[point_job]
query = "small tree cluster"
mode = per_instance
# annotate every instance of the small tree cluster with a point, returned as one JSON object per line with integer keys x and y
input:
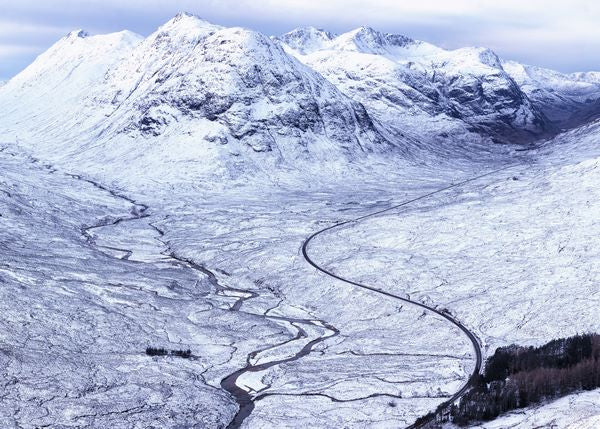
{"x": 155, "y": 351}
{"x": 186, "y": 354}
{"x": 159, "y": 351}
{"x": 560, "y": 353}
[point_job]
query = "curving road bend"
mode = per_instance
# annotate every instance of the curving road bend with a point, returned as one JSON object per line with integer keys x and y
{"x": 243, "y": 397}
{"x": 475, "y": 343}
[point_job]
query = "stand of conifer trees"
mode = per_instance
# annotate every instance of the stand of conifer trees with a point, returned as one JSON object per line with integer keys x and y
{"x": 516, "y": 377}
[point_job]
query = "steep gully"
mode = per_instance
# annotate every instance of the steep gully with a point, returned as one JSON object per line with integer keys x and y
{"x": 243, "y": 397}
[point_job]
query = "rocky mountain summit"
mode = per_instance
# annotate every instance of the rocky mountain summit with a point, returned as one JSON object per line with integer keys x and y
{"x": 568, "y": 100}
{"x": 232, "y": 93}
{"x": 231, "y": 100}
{"x": 413, "y": 86}
{"x": 241, "y": 82}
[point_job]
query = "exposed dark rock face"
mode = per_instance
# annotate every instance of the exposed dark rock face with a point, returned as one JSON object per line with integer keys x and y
{"x": 568, "y": 100}
{"x": 397, "y": 78}
{"x": 240, "y": 80}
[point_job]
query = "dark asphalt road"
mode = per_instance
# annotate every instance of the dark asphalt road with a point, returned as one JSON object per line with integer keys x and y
{"x": 445, "y": 315}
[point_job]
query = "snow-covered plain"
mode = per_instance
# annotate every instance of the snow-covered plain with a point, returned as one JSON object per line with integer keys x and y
{"x": 511, "y": 256}
{"x": 75, "y": 322}
{"x": 579, "y": 411}
{"x": 97, "y": 312}
{"x": 527, "y": 239}
{"x": 170, "y": 208}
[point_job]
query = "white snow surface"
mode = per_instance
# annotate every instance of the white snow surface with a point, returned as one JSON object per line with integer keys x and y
{"x": 578, "y": 411}
{"x": 191, "y": 91}
{"x": 214, "y": 103}
{"x": 421, "y": 90}
{"x": 206, "y": 155}
{"x": 562, "y": 96}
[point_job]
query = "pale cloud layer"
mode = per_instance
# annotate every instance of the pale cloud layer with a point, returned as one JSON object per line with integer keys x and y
{"x": 564, "y": 35}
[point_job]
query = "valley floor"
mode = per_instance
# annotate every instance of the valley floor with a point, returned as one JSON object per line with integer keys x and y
{"x": 90, "y": 278}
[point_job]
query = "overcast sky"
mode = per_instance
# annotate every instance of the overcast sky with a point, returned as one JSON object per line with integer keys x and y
{"x": 564, "y": 35}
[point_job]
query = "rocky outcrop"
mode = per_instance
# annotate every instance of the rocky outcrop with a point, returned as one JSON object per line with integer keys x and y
{"x": 242, "y": 82}
{"x": 568, "y": 100}
{"x": 406, "y": 83}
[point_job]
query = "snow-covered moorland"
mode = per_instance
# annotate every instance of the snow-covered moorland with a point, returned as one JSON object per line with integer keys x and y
{"x": 156, "y": 192}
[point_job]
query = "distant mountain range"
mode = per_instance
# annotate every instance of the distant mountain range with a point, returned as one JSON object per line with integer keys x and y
{"x": 232, "y": 100}
{"x": 418, "y": 88}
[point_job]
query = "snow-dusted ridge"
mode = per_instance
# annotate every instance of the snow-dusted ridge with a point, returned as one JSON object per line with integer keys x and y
{"x": 417, "y": 87}
{"x": 307, "y": 39}
{"x": 569, "y": 99}
{"x": 429, "y": 92}
{"x": 228, "y": 99}
{"x": 228, "y": 102}
{"x": 240, "y": 81}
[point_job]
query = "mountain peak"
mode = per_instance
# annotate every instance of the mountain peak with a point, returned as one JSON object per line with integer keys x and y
{"x": 365, "y": 29}
{"x": 368, "y": 40}
{"x": 184, "y": 14}
{"x": 306, "y": 39}
{"x": 368, "y": 36}
{"x": 398, "y": 39}
{"x": 489, "y": 57}
{"x": 182, "y": 28}
{"x": 479, "y": 55}
{"x": 186, "y": 21}
{"x": 312, "y": 31}
{"x": 77, "y": 34}
{"x": 362, "y": 39}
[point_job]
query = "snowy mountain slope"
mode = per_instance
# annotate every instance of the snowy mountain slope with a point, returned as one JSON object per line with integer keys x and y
{"x": 592, "y": 76}
{"x": 308, "y": 39}
{"x": 196, "y": 99}
{"x": 47, "y": 97}
{"x": 414, "y": 86}
{"x": 96, "y": 277}
{"x": 476, "y": 252}
{"x": 473, "y": 250}
{"x": 567, "y": 99}
{"x": 578, "y": 411}
{"x": 242, "y": 82}
{"x": 190, "y": 92}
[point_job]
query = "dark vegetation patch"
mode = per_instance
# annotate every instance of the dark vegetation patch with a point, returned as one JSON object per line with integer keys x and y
{"x": 517, "y": 377}
{"x": 159, "y": 351}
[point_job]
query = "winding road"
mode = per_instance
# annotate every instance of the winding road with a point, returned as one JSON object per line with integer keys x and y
{"x": 474, "y": 342}
{"x": 243, "y": 397}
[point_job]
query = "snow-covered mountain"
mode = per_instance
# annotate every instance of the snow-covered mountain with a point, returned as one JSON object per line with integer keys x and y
{"x": 430, "y": 93}
{"x": 567, "y": 99}
{"x": 197, "y": 99}
{"x": 192, "y": 91}
{"x": 46, "y": 99}
{"x": 415, "y": 87}
{"x": 163, "y": 192}
{"x": 242, "y": 85}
